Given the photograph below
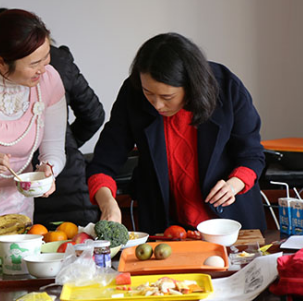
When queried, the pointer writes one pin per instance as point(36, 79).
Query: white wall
point(261, 41)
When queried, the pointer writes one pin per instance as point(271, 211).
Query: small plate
point(141, 239)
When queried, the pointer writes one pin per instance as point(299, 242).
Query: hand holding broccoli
point(114, 232)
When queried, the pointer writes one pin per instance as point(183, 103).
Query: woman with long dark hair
point(197, 134)
point(32, 106)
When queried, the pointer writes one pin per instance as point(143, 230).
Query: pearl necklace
point(38, 108)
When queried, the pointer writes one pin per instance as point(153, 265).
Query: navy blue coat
point(230, 138)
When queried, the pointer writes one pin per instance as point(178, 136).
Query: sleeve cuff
point(246, 175)
point(95, 182)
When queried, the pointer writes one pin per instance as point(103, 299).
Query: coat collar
point(157, 146)
point(209, 140)
point(208, 146)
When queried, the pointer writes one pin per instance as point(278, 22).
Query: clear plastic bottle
point(102, 253)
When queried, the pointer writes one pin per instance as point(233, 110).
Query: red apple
point(80, 238)
point(62, 247)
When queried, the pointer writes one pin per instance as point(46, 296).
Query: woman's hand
point(4, 162)
point(47, 169)
point(223, 193)
point(108, 205)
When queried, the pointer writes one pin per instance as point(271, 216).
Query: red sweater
point(182, 157)
point(187, 205)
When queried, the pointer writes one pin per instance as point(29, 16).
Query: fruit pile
point(21, 224)
point(66, 231)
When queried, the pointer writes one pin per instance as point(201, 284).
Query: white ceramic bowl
point(220, 231)
point(141, 238)
point(46, 265)
point(34, 184)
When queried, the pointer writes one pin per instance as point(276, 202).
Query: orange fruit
point(69, 228)
point(55, 236)
point(37, 229)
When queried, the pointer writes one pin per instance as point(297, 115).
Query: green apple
point(144, 251)
point(162, 251)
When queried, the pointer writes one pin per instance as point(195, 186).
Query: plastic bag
point(89, 229)
point(82, 270)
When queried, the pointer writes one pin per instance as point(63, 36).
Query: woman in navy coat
point(197, 133)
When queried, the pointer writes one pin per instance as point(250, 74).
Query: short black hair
point(172, 59)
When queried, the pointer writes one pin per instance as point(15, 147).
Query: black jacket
point(70, 201)
point(230, 138)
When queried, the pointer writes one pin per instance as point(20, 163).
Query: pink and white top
point(30, 118)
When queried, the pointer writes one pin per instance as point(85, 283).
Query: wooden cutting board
point(247, 237)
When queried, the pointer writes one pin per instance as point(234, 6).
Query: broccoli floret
point(114, 232)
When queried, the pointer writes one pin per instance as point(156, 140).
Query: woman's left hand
point(47, 169)
point(223, 193)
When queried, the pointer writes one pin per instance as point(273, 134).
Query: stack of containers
point(290, 213)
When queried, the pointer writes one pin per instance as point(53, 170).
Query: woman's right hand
point(4, 162)
point(108, 205)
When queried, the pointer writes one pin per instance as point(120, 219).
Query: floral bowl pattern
point(33, 184)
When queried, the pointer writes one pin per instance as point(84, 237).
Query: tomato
point(63, 246)
point(175, 232)
point(123, 278)
point(194, 234)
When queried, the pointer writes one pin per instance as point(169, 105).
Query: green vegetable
point(114, 232)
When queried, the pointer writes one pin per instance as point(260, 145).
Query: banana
point(14, 224)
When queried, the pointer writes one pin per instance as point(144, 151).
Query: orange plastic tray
point(284, 144)
point(186, 257)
